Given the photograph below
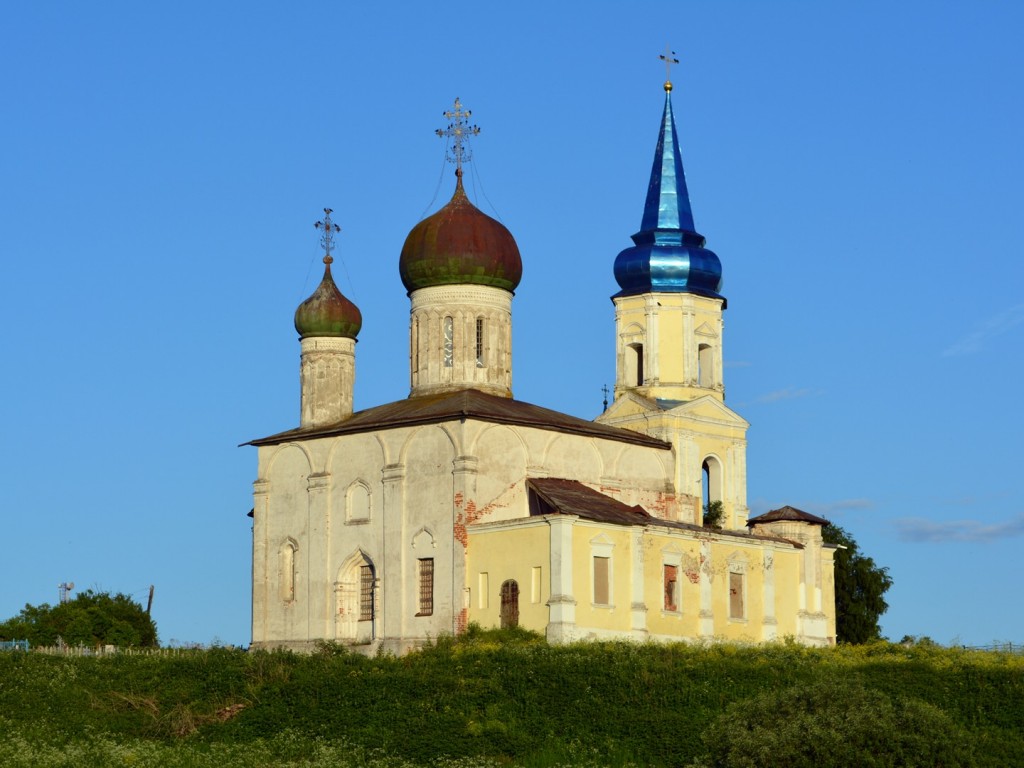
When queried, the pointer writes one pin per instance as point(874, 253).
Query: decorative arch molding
point(369, 437)
point(284, 449)
point(423, 540)
point(551, 447)
point(474, 443)
point(453, 442)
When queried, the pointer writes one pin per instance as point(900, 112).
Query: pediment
point(707, 331)
point(709, 409)
point(629, 404)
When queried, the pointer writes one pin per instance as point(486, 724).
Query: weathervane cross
point(329, 228)
point(669, 58)
point(458, 131)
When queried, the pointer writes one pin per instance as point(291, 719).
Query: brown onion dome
point(327, 312)
point(460, 245)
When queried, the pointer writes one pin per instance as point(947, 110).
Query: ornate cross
point(329, 228)
point(458, 131)
point(669, 58)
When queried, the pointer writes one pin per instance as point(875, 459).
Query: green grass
point(487, 699)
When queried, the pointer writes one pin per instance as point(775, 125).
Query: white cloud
point(737, 364)
point(843, 505)
point(789, 393)
point(921, 530)
point(990, 328)
point(822, 509)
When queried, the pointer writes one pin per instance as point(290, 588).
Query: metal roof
point(788, 513)
point(461, 405)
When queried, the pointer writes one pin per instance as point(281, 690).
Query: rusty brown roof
point(462, 404)
point(787, 513)
point(569, 497)
point(555, 495)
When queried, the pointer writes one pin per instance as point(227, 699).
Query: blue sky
point(857, 167)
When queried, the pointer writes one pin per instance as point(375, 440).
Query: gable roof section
point(557, 496)
point(552, 495)
point(460, 405)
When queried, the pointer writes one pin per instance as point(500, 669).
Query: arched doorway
point(509, 604)
point(356, 597)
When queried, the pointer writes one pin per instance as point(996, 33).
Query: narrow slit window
point(426, 587)
point(671, 588)
point(448, 327)
point(601, 580)
point(479, 342)
point(736, 607)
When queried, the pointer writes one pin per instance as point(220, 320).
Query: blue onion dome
point(668, 254)
point(460, 245)
point(327, 312)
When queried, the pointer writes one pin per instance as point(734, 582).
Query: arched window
point(509, 604)
point(357, 503)
point(711, 483)
point(288, 570)
point(479, 342)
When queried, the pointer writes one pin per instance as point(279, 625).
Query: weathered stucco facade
point(387, 526)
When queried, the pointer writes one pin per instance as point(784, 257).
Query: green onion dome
point(460, 245)
point(327, 312)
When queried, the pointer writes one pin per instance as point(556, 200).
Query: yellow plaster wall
point(661, 550)
point(615, 616)
point(678, 317)
point(509, 553)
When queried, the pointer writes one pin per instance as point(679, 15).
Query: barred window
point(426, 587)
point(365, 593)
point(479, 342)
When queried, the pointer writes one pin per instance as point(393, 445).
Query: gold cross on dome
point(458, 131)
point(669, 58)
point(329, 228)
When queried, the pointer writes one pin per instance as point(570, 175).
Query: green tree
point(860, 586)
point(713, 514)
point(834, 723)
point(92, 618)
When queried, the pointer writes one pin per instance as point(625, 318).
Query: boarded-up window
point(535, 586)
point(671, 588)
point(509, 604)
point(365, 593)
point(736, 608)
point(601, 593)
point(426, 587)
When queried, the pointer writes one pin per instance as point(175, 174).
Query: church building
point(384, 527)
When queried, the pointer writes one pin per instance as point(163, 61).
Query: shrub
point(837, 724)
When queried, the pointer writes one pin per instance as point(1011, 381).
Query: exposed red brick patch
point(462, 621)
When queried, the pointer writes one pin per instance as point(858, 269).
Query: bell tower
point(668, 342)
point(668, 315)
